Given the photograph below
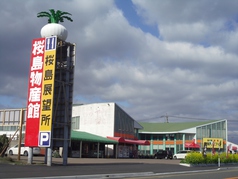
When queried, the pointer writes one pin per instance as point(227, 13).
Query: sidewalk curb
point(208, 165)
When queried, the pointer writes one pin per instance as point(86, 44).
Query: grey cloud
point(116, 62)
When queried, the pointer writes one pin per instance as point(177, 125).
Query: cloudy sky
point(153, 58)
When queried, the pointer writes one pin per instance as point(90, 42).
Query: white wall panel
point(96, 118)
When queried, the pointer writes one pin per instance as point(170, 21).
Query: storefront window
point(209, 131)
point(75, 122)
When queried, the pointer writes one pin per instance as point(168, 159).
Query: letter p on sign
point(44, 139)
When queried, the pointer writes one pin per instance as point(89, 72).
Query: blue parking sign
point(44, 139)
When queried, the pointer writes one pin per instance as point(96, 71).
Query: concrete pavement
point(70, 161)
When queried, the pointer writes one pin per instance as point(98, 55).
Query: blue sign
point(50, 43)
point(44, 139)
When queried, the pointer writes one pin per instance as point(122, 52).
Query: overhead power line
point(181, 117)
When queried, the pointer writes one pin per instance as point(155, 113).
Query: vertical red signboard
point(34, 92)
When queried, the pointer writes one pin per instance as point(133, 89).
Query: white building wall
point(97, 118)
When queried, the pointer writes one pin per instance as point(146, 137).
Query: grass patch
point(9, 160)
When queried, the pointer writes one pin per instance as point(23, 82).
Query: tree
point(3, 144)
point(55, 17)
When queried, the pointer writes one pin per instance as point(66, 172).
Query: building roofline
point(163, 128)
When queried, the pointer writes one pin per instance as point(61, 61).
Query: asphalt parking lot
point(96, 168)
point(88, 168)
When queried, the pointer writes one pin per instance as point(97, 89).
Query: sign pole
point(20, 134)
point(49, 156)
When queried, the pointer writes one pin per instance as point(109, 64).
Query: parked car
point(166, 154)
point(24, 150)
point(181, 154)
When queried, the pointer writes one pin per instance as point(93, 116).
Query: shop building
point(184, 135)
point(110, 121)
point(106, 130)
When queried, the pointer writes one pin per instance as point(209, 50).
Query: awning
point(138, 142)
point(192, 145)
point(234, 148)
point(130, 141)
point(84, 136)
point(118, 139)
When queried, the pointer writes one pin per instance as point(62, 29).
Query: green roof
point(84, 136)
point(170, 127)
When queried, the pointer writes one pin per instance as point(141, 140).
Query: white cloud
point(207, 23)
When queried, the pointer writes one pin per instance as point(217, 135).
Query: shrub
point(235, 158)
point(56, 154)
point(194, 158)
point(211, 159)
point(198, 158)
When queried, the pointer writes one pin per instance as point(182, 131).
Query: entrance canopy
point(129, 141)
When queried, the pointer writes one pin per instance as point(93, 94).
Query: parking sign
point(44, 139)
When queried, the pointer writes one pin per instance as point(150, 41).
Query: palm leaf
point(55, 17)
point(66, 13)
point(52, 11)
point(43, 14)
point(58, 15)
point(65, 17)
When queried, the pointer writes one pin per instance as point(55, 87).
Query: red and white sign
point(34, 92)
point(41, 92)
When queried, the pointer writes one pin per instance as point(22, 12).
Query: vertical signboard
point(47, 92)
point(34, 92)
point(40, 92)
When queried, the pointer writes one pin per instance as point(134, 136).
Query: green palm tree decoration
point(55, 17)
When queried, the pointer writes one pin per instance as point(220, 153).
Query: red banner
point(34, 92)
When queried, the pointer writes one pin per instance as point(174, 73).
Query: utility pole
point(166, 117)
